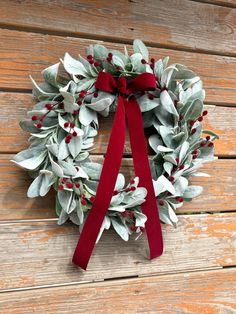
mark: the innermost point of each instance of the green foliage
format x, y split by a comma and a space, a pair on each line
64, 123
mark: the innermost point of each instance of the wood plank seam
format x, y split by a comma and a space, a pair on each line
219, 4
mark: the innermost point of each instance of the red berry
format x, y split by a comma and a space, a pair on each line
181, 117
153, 60
95, 94
131, 215
60, 187
91, 61
151, 97
200, 118
69, 185
202, 144
66, 124
205, 112
74, 133
39, 125
76, 112
49, 106
109, 59
34, 118
82, 94
61, 105
152, 66
181, 167
208, 137
63, 180
79, 102
161, 202
171, 178
143, 61
132, 188
124, 214
177, 160
179, 199
77, 185
133, 228
115, 192
67, 140
92, 198
96, 63
194, 152
72, 125
132, 181
142, 229
193, 130
210, 144
83, 201
194, 156
191, 122
89, 57
110, 55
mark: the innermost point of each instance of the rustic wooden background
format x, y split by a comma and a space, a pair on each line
197, 272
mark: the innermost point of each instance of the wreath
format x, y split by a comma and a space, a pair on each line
64, 123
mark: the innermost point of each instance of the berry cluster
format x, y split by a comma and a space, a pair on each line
39, 119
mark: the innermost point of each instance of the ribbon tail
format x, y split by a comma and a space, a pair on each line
143, 171
105, 189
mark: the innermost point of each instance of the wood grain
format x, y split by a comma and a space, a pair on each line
22, 54
218, 195
204, 292
221, 120
226, 3
39, 253
185, 25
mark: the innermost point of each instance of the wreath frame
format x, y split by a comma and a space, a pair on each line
64, 123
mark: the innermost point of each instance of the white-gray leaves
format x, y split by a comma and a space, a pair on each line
139, 47
74, 66
167, 103
147, 104
66, 200
162, 184
87, 116
41, 184
120, 228
193, 191
30, 158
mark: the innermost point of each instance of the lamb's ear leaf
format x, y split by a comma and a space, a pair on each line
139, 47
63, 217
65, 198
34, 188
192, 191
74, 66
105, 225
120, 228
75, 146
50, 74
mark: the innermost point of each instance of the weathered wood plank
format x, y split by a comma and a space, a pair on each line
14, 106
218, 195
227, 3
23, 54
39, 253
198, 292
158, 22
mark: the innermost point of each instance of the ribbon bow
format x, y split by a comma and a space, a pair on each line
127, 107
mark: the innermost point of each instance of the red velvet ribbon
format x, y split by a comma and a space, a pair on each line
127, 107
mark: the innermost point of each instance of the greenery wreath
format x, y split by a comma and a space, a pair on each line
64, 123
